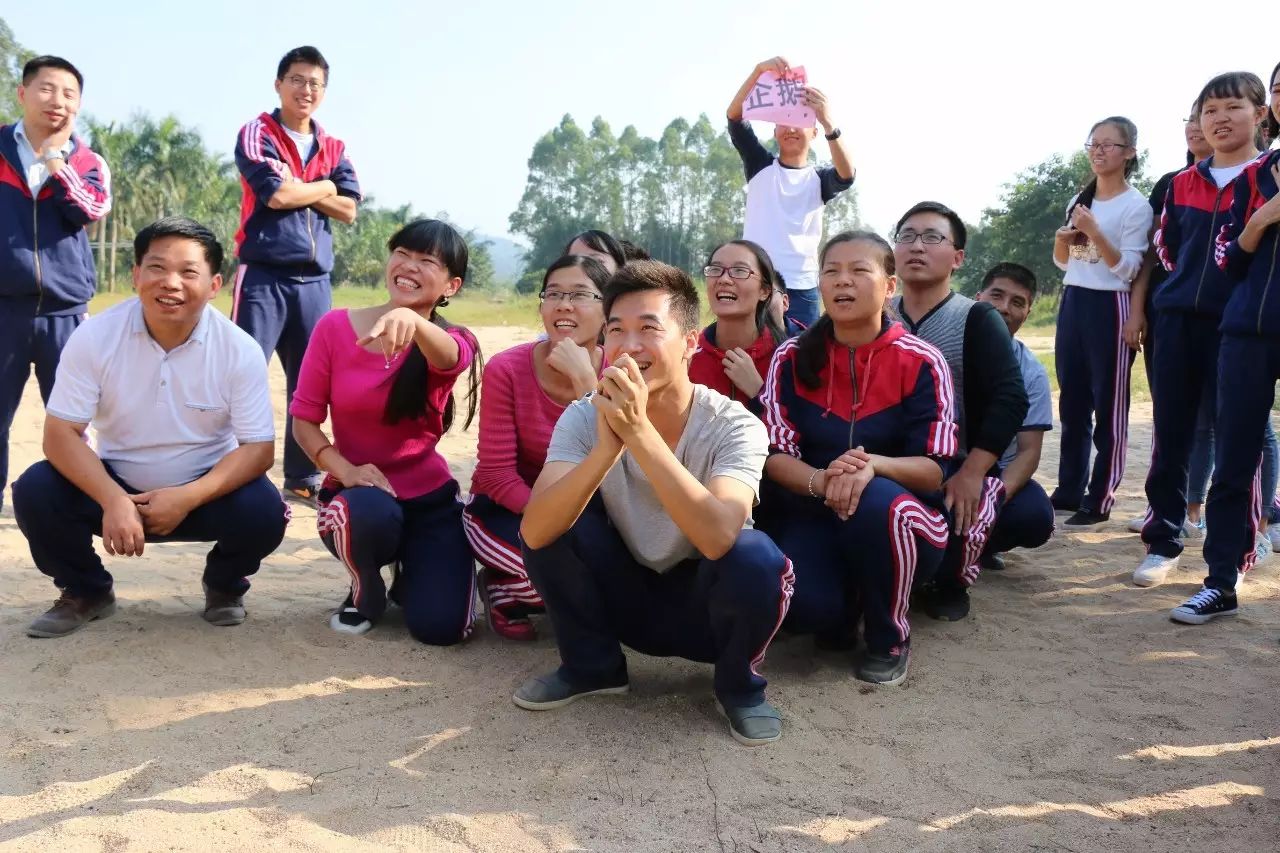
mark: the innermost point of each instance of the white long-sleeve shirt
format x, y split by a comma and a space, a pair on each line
1126, 223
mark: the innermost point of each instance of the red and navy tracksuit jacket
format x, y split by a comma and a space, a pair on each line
1252, 308
300, 239
45, 253
1195, 212
707, 365
892, 397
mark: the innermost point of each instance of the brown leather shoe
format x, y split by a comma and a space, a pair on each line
70, 613
222, 608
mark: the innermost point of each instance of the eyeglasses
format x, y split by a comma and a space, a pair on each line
576, 297
303, 83
737, 273
929, 238
1103, 147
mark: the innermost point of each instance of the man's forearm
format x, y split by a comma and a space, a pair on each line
978, 462
338, 207
67, 452
552, 511
841, 158
295, 194
242, 465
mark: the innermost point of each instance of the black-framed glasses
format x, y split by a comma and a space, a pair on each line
929, 238
716, 270
298, 82
573, 297
1103, 147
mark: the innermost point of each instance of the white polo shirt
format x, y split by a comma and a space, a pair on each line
163, 418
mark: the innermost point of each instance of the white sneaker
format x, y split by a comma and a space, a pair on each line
1153, 570
1273, 535
1135, 524
1193, 529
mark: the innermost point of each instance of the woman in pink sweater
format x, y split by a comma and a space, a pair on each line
384, 378
525, 390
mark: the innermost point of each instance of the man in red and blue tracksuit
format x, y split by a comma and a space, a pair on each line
1248, 251
296, 178
51, 186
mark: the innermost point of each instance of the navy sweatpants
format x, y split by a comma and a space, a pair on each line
804, 306
1025, 521
493, 531
280, 312
26, 340
366, 529
1248, 368
60, 521
1186, 364
865, 566
1093, 364
961, 563
723, 611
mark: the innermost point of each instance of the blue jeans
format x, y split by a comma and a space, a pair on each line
806, 305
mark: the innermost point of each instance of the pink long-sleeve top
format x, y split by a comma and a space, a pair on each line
516, 421
350, 385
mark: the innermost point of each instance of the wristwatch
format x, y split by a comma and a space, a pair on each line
833, 135
56, 155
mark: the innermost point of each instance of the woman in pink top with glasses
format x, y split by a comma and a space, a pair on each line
525, 390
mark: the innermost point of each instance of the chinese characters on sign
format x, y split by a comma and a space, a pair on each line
779, 100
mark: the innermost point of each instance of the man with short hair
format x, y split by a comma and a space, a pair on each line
639, 531
991, 403
178, 400
1026, 519
51, 186
786, 195
295, 178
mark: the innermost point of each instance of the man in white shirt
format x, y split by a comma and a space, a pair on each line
178, 399
786, 195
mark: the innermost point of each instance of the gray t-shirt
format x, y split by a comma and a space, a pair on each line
721, 439
1039, 398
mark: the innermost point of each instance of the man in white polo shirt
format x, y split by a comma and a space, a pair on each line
178, 399
786, 195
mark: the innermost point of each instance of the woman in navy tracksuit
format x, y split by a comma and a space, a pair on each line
861, 419
1100, 251
1188, 307
1248, 250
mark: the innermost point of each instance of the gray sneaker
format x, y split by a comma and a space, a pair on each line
222, 608
70, 613
756, 725
550, 691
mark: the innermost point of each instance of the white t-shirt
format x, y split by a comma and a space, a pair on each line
1227, 174
1126, 223
163, 418
306, 143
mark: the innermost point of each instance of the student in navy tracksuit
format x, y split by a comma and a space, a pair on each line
51, 186
1100, 250
861, 420
296, 178
1248, 249
1189, 306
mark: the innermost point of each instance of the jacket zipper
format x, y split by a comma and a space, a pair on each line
1213, 227
1275, 243
853, 413
35, 246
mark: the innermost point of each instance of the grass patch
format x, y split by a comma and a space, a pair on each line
1139, 390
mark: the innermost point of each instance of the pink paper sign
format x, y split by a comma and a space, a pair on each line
779, 100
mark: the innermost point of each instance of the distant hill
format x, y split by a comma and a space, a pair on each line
508, 256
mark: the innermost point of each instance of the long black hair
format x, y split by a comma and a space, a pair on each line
410, 398
811, 346
1129, 131
1273, 126
599, 241
769, 278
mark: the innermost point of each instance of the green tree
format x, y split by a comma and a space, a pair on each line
12, 57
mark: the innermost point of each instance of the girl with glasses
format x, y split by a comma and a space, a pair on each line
1100, 251
526, 389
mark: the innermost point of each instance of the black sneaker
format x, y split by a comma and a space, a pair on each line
1203, 606
948, 604
347, 620
991, 563
1086, 518
885, 668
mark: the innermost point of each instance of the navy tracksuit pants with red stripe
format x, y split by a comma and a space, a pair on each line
494, 534
723, 611
1093, 364
366, 529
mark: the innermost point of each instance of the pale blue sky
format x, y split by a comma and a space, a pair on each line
440, 104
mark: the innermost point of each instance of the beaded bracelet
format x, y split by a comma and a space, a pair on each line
815, 473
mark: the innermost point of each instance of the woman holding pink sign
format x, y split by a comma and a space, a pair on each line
786, 194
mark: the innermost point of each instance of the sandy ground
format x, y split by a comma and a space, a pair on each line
1067, 713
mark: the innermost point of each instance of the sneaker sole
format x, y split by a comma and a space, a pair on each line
893, 682
1148, 581
752, 741
353, 630
1197, 618
109, 610
225, 621
530, 705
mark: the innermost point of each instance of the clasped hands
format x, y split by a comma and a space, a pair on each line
842, 482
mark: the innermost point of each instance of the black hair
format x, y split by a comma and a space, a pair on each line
1272, 124
642, 276
1129, 131
184, 227
811, 345
1016, 273
306, 55
409, 398
33, 66
769, 278
594, 270
1236, 84
599, 241
632, 252
959, 234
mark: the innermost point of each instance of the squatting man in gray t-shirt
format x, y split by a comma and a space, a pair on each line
638, 530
